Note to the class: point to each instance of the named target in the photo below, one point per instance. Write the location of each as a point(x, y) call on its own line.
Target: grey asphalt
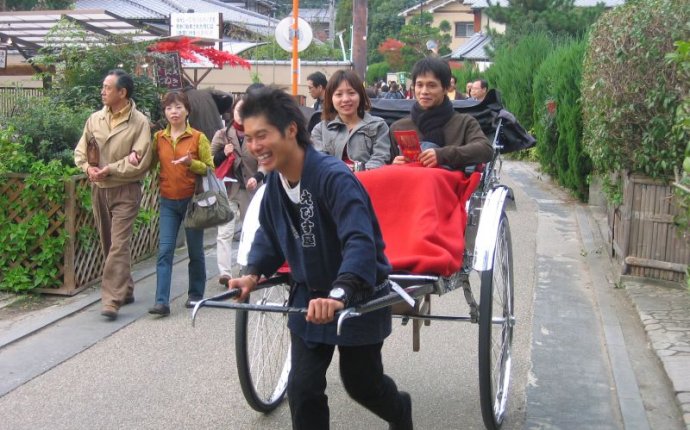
point(573, 367)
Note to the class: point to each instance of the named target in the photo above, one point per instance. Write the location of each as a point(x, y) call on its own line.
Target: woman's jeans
point(172, 214)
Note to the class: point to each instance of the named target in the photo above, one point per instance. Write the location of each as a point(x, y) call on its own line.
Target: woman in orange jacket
point(183, 154)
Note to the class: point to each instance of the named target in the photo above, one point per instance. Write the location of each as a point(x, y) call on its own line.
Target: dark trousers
point(361, 371)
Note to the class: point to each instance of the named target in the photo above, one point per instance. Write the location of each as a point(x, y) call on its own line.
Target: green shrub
point(467, 73)
point(558, 117)
point(630, 94)
point(377, 71)
point(513, 70)
point(77, 75)
point(30, 251)
point(51, 130)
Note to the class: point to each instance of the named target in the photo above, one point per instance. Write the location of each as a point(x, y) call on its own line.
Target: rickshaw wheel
point(496, 321)
point(262, 346)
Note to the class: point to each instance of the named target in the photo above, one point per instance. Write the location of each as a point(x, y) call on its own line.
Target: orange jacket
point(178, 181)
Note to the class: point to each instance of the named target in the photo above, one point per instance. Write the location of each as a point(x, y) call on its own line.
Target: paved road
point(148, 373)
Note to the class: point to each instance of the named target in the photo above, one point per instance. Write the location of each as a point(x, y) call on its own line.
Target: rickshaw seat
point(422, 215)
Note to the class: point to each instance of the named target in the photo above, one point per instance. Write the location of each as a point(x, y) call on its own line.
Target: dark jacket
point(332, 231)
point(465, 143)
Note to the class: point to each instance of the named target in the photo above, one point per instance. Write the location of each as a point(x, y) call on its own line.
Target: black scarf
point(430, 122)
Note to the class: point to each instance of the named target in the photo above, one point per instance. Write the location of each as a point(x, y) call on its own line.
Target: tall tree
point(416, 34)
point(384, 22)
point(557, 17)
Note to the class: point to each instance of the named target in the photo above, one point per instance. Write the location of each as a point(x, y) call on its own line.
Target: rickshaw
point(262, 341)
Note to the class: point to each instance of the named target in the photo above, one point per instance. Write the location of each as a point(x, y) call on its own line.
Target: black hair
point(434, 65)
point(318, 79)
point(280, 110)
point(123, 81)
point(176, 96)
point(483, 83)
point(255, 86)
point(352, 78)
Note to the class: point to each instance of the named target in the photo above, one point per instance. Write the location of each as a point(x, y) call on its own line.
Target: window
point(464, 29)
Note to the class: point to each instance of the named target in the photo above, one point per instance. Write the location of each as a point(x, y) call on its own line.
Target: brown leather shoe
point(128, 300)
point(224, 280)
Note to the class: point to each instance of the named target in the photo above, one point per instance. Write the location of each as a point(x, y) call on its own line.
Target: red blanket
point(422, 215)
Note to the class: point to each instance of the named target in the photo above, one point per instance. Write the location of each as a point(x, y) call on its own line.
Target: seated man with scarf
point(448, 138)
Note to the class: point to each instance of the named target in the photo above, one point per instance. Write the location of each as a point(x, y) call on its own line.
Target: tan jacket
point(115, 146)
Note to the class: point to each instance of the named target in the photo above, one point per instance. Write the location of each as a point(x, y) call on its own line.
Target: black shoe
point(160, 309)
point(188, 304)
point(109, 314)
point(128, 300)
point(405, 422)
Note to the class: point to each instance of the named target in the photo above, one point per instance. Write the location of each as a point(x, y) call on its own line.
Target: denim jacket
point(368, 142)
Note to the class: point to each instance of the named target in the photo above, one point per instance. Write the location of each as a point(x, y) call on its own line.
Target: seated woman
point(347, 130)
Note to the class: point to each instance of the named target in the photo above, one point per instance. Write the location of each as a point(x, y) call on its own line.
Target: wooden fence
point(10, 96)
point(82, 265)
point(642, 233)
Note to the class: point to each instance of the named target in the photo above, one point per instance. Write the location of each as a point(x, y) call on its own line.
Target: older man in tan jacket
point(115, 153)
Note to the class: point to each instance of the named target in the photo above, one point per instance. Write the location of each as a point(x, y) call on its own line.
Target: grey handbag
point(209, 207)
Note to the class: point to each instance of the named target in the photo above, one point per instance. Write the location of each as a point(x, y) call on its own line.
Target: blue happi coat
point(332, 230)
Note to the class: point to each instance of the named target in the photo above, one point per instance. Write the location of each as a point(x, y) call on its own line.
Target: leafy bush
point(630, 94)
point(77, 76)
point(30, 253)
point(558, 117)
point(513, 71)
point(51, 129)
point(377, 71)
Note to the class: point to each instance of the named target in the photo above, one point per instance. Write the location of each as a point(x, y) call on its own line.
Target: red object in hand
point(408, 141)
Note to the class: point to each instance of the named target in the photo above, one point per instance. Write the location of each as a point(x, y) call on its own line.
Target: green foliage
point(50, 127)
point(14, 156)
point(513, 71)
point(415, 35)
point(377, 71)
point(681, 127)
point(24, 223)
point(468, 73)
point(555, 17)
point(558, 117)
point(77, 74)
point(382, 16)
point(273, 51)
point(631, 95)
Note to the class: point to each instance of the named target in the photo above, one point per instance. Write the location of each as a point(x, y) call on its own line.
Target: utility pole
point(359, 36)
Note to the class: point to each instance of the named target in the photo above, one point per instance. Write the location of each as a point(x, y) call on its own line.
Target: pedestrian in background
point(316, 85)
point(347, 130)
point(241, 180)
point(183, 154)
point(479, 89)
point(112, 137)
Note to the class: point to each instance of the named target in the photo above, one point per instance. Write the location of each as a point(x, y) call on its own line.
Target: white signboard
point(206, 25)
